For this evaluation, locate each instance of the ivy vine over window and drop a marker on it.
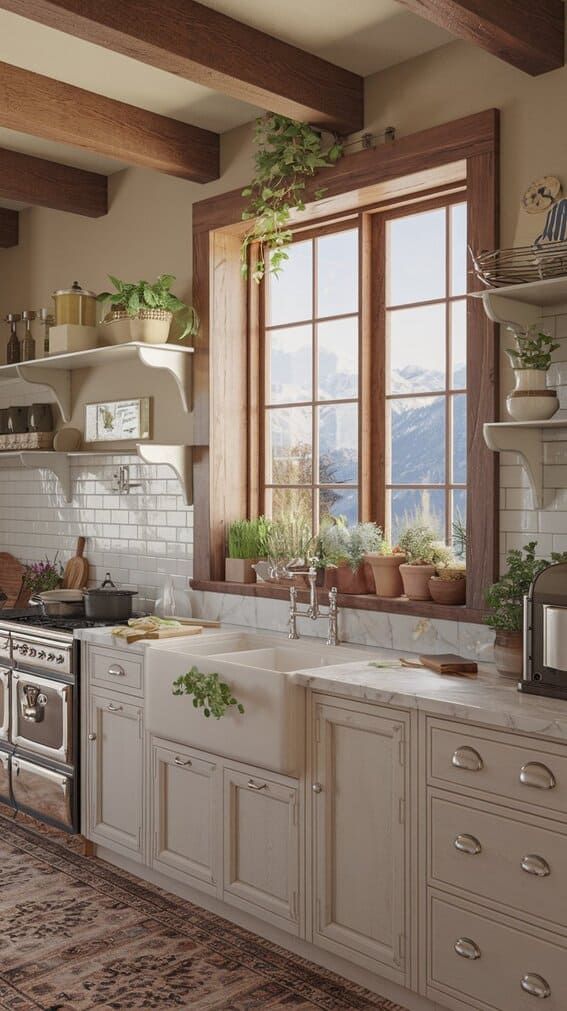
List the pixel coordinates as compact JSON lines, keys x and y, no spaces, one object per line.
{"x":209,"y":693}
{"x":287,"y":153}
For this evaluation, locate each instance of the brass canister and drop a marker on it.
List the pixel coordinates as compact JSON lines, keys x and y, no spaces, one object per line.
{"x":75,"y":305}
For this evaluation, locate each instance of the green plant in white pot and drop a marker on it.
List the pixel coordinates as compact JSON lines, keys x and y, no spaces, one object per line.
{"x":531,"y":399}
{"x":424,"y":552}
{"x":148,"y":310}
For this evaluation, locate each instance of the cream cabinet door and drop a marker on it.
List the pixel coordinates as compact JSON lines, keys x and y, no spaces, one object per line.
{"x":114,"y":774}
{"x":261,"y":847}
{"x":187,"y":800}
{"x":359,"y":835}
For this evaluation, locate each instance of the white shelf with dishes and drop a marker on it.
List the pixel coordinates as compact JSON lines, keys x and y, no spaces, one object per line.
{"x":54,"y":371}
{"x":520,"y":305}
{"x":527,"y":439}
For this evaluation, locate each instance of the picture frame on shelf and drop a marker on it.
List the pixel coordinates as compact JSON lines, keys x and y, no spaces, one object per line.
{"x":118,"y":420}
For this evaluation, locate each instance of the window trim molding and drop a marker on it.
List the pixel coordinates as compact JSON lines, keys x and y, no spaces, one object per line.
{"x":226,"y":393}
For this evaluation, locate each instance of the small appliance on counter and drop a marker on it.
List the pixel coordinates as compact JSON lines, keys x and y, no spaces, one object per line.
{"x":545,"y":634}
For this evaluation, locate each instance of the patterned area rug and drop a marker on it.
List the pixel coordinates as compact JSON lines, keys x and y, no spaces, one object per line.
{"x":77,"y":933}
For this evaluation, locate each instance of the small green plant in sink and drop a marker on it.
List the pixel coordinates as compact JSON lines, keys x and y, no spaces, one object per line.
{"x":209,"y":693}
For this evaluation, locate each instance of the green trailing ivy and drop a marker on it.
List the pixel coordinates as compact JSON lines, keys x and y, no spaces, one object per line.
{"x":209,"y":693}
{"x":288,"y":152}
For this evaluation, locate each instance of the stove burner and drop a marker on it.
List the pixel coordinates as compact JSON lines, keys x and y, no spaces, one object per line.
{"x":31,"y":617}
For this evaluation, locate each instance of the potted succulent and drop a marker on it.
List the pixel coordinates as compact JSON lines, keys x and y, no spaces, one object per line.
{"x":449,"y":585}
{"x":424,"y":553}
{"x":143,"y":312}
{"x":531,"y":399}
{"x":246,"y":545}
{"x":342,"y":552}
{"x":385,"y":564}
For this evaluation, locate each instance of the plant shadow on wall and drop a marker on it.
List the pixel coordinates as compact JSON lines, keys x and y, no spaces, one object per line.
{"x":288,"y":152}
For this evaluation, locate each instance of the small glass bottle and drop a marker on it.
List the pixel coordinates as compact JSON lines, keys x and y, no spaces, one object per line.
{"x":13,"y":348}
{"x":28,"y":343}
{"x":48,"y":321}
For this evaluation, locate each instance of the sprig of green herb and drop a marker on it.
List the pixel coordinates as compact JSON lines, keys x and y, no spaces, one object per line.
{"x":209,"y":693}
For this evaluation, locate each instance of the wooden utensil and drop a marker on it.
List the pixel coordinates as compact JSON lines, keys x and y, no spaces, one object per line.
{"x":11,"y":581}
{"x":76,"y":574}
{"x":203,"y":622}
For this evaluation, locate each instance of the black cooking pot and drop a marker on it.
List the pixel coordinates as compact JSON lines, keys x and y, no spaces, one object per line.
{"x":108,"y":603}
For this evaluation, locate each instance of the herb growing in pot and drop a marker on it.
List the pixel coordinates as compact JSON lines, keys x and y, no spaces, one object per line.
{"x":424,"y":552}
{"x":449,"y":585}
{"x":530,"y":358}
{"x":385,"y":564}
{"x":150,"y":309}
{"x":342,"y":551}
{"x":246,"y":545}
{"x":39,"y":577}
{"x":289,"y":546}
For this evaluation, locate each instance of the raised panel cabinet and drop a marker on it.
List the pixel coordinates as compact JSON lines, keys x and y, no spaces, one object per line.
{"x":359,"y":834}
{"x":115,"y":774}
{"x":187,"y":798}
{"x":261,"y":847}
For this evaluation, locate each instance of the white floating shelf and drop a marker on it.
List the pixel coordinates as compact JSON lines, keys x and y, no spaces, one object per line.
{"x":527,"y":439}
{"x":521,"y":305}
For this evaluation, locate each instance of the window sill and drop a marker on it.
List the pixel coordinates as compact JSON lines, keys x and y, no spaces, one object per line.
{"x":364,"y":602}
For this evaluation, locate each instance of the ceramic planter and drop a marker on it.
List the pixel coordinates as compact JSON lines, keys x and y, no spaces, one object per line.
{"x":416,"y":580}
{"x":448,"y":591}
{"x":347,"y":581}
{"x":509,"y":654}
{"x":386,"y":572}
{"x":531,"y":400}
{"x":114,"y":328}
{"x":239,"y":570}
{"x":150,"y":326}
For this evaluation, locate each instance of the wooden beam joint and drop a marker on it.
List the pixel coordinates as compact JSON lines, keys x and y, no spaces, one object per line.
{"x":9,"y":228}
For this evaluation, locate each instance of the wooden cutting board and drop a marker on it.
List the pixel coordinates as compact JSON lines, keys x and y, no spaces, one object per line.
{"x":163,"y":633}
{"x":76,"y":574}
{"x":11,"y":578}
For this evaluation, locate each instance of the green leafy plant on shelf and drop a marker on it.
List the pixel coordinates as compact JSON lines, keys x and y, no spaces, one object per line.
{"x":134,"y":297}
{"x":288,"y":152}
{"x":209,"y":693}
{"x":505,"y":598}
{"x":248,"y":538}
{"x":533,"y":349}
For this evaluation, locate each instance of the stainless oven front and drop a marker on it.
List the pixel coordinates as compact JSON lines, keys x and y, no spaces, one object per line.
{"x":42,"y":715}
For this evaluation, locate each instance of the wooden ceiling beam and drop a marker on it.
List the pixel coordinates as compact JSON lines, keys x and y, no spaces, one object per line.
{"x":45,"y":183}
{"x":44,"y":107}
{"x":528,"y":35}
{"x":9,"y":228}
{"x":202,"y":45}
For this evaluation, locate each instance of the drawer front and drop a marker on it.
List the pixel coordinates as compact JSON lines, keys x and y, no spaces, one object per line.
{"x":115,"y":669}
{"x":486,"y":961}
{"x":515,"y":771}
{"x":502,"y":859}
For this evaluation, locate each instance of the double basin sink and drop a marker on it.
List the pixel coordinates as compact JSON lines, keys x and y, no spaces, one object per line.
{"x":259,"y":670}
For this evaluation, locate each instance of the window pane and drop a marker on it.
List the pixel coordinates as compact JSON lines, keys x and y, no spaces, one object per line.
{"x":290,"y":503}
{"x":459,"y":344}
{"x":409,"y":507}
{"x":289,"y":365}
{"x":337,"y":273}
{"x":290,"y":294}
{"x":338,"y":359}
{"x":458,"y":249}
{"x":339,"y":502}
{"x":416,"y":339}
{"x":418,"y":440}
{"x":416,"y":258}
{"x":338,"y":444}
{"x":289,"y":449}
{"x":459,"y":521}
{"x":459,"y":438}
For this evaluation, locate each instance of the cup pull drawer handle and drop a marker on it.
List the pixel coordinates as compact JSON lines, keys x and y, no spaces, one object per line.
{"x":467,"y":758}
{"x":467,"y":844}
{"x":535,"y":985}
{"x":532,"y":864}
{"x":537,"y":775}
{"x":116,"y":671}
{"x":182,"y":761}
{"x":114,"y":709}
{"x":467,"y":948}
{"x":256,"y":786}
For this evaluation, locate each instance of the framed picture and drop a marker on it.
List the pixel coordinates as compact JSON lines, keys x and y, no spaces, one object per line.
{"x":118,"y":420}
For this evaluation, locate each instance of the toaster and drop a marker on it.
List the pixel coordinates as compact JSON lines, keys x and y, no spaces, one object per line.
{"x":545,"y":634}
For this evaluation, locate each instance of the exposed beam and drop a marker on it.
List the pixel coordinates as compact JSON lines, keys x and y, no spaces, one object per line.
{"x":9,"y":228}
{"x":43,"y":107}
{"x":205,"y":46}
{"x":48,"y":184}
{"x":527,"y":34}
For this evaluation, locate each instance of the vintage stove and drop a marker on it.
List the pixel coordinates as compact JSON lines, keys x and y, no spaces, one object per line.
{"x":545,"y":634}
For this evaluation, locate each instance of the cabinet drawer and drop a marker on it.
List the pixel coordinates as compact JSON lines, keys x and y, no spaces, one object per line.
{"x":514,"y":769}
{"x":117,"y":669}
{"x":500,"y":966}
{"x":507,"y":860}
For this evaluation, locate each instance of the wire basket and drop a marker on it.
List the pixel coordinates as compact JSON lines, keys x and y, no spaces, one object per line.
{"x":501,"y":267}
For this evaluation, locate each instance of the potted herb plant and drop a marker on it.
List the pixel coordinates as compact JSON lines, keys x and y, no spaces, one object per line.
{"x":39,"y":577}
{"x":385,"y":564}
{"x":289,"y":546}
{"x":530,"y":358}
{"x":342,"y":552}
{"x":449,"y":585}
{"x":143,"y":312}
{"x":424,"y":553}
{"x":246,"y":544}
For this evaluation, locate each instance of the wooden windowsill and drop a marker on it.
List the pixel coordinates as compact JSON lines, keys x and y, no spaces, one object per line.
{"x":364,"y":602}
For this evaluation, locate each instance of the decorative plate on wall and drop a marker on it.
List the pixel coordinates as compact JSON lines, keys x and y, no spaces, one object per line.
{"x":540,"y":194}
{"x":118,"y":420}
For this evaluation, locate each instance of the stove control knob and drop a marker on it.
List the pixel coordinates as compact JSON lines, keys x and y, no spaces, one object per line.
{"x":51,"y":657}
{"x":60,"y":659}
{"x":15,"y":647}
{"x":33,"y":652}
{"x":41,"y":655}
{"x":23,"y":649}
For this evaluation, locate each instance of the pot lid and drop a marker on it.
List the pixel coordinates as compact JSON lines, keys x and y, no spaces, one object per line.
{"x":107,"y":587}
{"x":75,"y":289}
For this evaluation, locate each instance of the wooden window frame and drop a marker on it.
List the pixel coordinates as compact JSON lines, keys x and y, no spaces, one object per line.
{"x":227,"y":386}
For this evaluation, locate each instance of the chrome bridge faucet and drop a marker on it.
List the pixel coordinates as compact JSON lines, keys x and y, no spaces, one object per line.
{"x":313,"y":610}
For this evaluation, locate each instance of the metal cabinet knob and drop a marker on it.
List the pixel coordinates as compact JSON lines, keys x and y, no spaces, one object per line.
{"x":537,"y":775}
{"x":116,"y":671}
{"x":182,"y":761}
{"x":467,"y":844}
{"x":92,"y":737}
{"x":256,"y":786}
{"x":467,"y":758}
{"x":535,"y":985}
{"x":317,"y":788}
{"x":532,"y":864}
{"x":467,"y":948}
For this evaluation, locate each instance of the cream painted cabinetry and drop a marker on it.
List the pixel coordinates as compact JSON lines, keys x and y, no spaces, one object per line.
{"x":359,"y":833}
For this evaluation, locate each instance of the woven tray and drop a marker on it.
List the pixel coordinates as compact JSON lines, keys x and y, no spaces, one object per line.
{"x":501,"y":267}
{"x":26,"y":440}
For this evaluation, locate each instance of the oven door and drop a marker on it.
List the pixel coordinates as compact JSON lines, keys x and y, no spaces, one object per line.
{"x":4,"y":704}
{"x":42,"y":710}
{"x":5,"y":775}
{"x":43,"y":793}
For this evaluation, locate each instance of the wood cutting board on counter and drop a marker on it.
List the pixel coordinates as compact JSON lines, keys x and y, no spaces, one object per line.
{"x":76,"y":574}
{"x":163,"y":633}
{"x":11,"y":581}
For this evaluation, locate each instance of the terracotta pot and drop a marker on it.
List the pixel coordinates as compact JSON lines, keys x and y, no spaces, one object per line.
{"x":509,"y":654}
{"x":386,"y":572}
{"x":347,"y":581}
{"x":448,"y":591}
{"x":416,"y":580}
{"x":239,"y":570}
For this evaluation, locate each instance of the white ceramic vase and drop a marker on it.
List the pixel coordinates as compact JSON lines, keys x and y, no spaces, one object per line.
{"x":531,"y":400}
